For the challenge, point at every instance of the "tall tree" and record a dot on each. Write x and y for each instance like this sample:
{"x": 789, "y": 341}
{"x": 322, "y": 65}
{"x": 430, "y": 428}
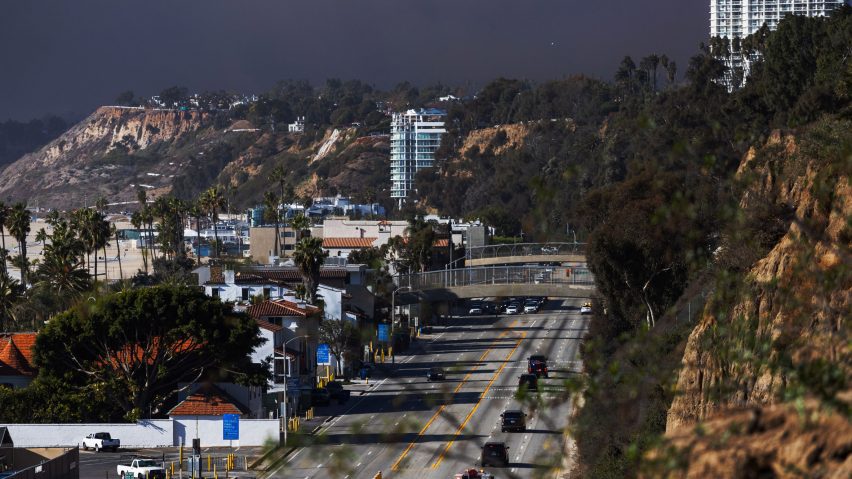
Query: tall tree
{"x": 144, "y": 345}
{"x": 62, "y": 270}
{"x": 18, "y": 223}
{"x": 213, "y": 202}
{"x": 309, "y": 257}
{"x": 4, "y": 214}
{"x": 299, "y": 224}
{"x": 339, "y": 335}
{"x": 271, "y": 213}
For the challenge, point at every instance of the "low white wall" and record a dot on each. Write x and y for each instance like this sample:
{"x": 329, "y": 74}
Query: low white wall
{"x": 154, "y": 433}
{"x": 253, "y": 432}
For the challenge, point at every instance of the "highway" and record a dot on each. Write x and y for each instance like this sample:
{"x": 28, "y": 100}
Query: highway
{"x": 408, "y": 427}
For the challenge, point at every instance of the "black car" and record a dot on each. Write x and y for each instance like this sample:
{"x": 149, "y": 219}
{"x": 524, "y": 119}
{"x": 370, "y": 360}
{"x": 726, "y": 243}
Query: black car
{"x": 537, "y": 364}
{"x": 513, "y": 420}
{"x": 320, "y": 397}
{"x": 495, "y": 454}
{"x": 336, "y": 392}
{"x": 528, "y": 380}
{"x": 435, "y": 374}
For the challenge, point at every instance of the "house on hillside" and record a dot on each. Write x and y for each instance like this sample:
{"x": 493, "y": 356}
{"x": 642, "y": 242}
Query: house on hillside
{"x": 242, "y": 286}
{"x": 16, "y": 359}
{"x": 204, "y": 408}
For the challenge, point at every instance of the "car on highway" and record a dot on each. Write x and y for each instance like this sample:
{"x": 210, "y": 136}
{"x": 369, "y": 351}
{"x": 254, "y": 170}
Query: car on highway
{"x": 494, "y": 454}
{"x": 528, "y": 381}
{"x": 475, "y": 310}
{"x": 513, "y": 308}
{"x": 513, "y": 420}
{"x": 100, "y": 441}
{"x": 320, "y": 397}
{"x": 473, "y": 473}
{"x": 531, "y": 306}
{"x": 435, "y": 374}
{"x": 537, "y": 364}
{"x": 337, "y": 392}
{"x": 586, "y": 308}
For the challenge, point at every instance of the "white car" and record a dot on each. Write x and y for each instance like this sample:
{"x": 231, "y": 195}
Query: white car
{"x": 475, "y": 311}
{"x": 586, "y": 308}
{"x": 100, "y": 441}
{"x": 513, "y": 309}
{"x": 530, "y": 307}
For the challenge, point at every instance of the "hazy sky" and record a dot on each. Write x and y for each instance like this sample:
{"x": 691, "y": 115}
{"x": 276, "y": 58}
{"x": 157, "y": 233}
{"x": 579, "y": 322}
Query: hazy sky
{"x": 69, "y": 56}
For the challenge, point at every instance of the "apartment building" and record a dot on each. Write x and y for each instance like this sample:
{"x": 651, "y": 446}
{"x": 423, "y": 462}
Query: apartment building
{"x": 415, "y": 136}
{"x": 740, "y": 18}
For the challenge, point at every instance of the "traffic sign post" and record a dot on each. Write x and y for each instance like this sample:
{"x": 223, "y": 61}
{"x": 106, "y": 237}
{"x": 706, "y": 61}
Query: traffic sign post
{"x": 323, "y": 354}
{"x": 231, "y": 427}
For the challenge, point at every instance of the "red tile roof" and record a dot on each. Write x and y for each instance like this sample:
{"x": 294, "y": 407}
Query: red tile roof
{"x": 348, "y": 242}
{"x": 16, "y": 354}
{"x": 280, "y": 307}
{"x": 12, "y": 360}
{"x": 209, "y": 402}
{"x": 268, "y": 326}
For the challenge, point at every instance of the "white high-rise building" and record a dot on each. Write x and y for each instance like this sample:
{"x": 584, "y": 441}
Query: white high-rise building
{"x": 415, "y": 135}
{"x": 741, "y": 18}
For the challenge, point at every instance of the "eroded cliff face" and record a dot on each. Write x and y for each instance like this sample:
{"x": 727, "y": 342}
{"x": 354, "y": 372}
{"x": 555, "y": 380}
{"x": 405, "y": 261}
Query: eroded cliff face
{"x": 92, "y": 155}
{"x": 780, "y": 334}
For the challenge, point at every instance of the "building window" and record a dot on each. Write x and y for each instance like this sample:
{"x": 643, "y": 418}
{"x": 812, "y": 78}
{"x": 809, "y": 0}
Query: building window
{"x": 214, "y": 292}
{"x": 246, "y": 294}
{"x": 267, "y": 292}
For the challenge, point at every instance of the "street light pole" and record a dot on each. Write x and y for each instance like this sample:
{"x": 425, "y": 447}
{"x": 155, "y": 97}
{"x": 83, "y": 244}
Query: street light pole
{"x": 286, "y": 417}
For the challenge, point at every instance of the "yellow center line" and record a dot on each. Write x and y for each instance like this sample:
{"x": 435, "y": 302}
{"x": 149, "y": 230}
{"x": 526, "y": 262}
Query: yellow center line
{"x": 420, "y": 434}
{"x": 478, "y": 402}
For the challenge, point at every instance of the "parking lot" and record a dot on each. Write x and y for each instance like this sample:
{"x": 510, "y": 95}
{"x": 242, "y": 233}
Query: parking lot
{"x": 104, "y": 464}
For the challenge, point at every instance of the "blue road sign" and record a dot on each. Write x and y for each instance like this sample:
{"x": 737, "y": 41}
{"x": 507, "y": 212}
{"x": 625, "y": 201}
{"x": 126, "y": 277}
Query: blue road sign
{"x": 323, "y": 356}
{"x": 231, "y": 427}
{"x": 383, "y": 332}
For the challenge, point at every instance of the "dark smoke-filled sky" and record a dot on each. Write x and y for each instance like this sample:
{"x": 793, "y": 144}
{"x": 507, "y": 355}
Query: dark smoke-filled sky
{"x": 69, "y": 56}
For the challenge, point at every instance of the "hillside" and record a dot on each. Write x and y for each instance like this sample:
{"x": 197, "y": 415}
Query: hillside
{"x": 117, "y": 150}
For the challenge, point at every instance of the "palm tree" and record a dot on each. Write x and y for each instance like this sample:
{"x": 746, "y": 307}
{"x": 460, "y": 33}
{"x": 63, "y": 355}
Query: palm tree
{"x": 18, "y": 223}
{"x": 195, "y": 211}
{"x": 41, "y": 236}
{"x": 136, "y": 220}
{"x": 10, "y": 292}
{"x": 309, "y": 257}
{"x": 62, "y": 270}
{"x": 270, "y": 202}
{"x": 213, "y": 201}
{"x": 4, "y": 214}
{"x": 300, "y": 223}
{"x": 114, "y": 233}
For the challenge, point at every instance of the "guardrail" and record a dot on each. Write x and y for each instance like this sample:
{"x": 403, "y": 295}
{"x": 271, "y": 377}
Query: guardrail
{"x": 496, "y": 275}
{"x": 525, "y": 249}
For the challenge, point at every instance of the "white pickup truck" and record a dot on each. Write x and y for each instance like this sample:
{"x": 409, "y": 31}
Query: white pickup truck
{"x": 141, "y": 469}
{"x": 100, "y": 441}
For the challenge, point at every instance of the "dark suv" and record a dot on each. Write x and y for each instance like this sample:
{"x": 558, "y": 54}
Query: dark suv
{"x": 336, "y": 392}
{"x": 537, "y": 364}
{"x": 320, "y": 397}
{"x": 495, "y": 454}
{"x": 513, "y": 420}
{"x": 435, "y": 374}
{"x": 528, "y": 380}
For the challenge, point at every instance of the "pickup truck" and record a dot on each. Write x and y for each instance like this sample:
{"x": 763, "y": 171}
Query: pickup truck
{"x": 100, "y": 441}
{"x": 142, "y": 469}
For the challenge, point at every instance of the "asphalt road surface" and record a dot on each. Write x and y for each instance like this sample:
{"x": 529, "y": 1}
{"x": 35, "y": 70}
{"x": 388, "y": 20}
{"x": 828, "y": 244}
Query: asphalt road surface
{"x": 103, "y": 465}
{"x": 408, "y": 427}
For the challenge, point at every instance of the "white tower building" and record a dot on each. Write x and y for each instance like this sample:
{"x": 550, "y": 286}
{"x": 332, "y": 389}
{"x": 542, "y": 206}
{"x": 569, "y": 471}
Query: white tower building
{"x": 740, "y": 18}
{"x": 415, "y": 135}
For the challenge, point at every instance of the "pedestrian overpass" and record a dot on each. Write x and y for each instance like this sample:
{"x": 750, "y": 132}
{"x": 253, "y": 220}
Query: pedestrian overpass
{"x": 496, "y": 281}
{"x": 526, "y": 253}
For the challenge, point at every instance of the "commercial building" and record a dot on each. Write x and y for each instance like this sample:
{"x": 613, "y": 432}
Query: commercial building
{"x": 740, "y": 18}
{"x": 415, "y": 136}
